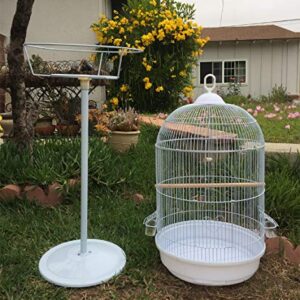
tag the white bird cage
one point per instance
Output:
(210, 220)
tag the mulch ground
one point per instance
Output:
(275, 279)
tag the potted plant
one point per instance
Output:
(123, 126)
(119, 127)
(44, 126)
(66, 109)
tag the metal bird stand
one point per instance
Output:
(85, 262)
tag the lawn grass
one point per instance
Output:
(274, 129)
(27, 231)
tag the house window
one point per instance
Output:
(117, 4)
(235, 71)
(214, 67)
(225, 71)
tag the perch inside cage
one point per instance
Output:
(209, 221)
(85, 262)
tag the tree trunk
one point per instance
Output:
(21, 109)
(2, 62)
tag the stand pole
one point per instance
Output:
(71, 264)
(84, 84)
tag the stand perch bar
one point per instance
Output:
(84, 84)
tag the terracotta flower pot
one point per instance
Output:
(68, 130)
(44, 127)
(121, 141)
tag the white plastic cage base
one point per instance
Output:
(210, 252)
(64, 266)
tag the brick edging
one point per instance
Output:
(283, 246)
(49, 196)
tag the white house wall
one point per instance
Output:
(65, 21)
(58, 21)
(269, 63)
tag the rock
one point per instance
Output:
(10, 192)
(138, 198)
(73, 182)
(162, 116)
(273, 245)
(55, 196)
(296, 102)
(35, 194)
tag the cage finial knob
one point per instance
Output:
(209, 97)
(210, 89)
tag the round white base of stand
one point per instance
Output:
(64, 266)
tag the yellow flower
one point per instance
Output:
(114, 101)
(187, 91)
(112, 24)
(153, 2)
(92, 58)
(146, 79)
(143, 23)
(148, 85)
(121, 30)
(124, 21)
(183, 73)
(148, 68)
(179, 37)
(117, 42)
(161, 35)
(159, 89)
(124, 88)
(147, 39)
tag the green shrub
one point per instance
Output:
(57, 160)
(278, 94)
(235, 99)
(283, 193)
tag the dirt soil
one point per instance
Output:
(275, 279)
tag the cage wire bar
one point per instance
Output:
(85, 262)
(209, 219)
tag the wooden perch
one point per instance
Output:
(198, 130)
(188, 129)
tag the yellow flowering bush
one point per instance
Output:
(156, 79)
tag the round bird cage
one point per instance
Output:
(210, 219)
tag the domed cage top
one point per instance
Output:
(210, 188)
